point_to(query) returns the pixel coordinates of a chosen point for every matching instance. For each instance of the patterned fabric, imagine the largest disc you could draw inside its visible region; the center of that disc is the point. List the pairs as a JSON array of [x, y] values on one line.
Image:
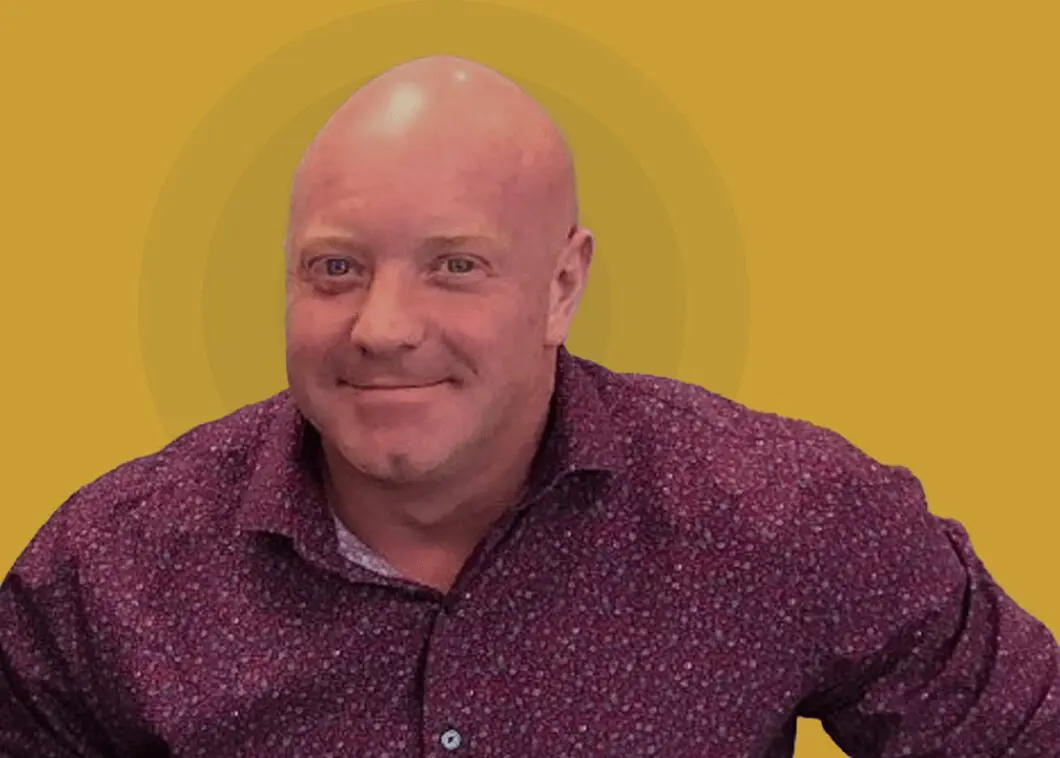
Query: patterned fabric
[[354, 550], [684, 578]]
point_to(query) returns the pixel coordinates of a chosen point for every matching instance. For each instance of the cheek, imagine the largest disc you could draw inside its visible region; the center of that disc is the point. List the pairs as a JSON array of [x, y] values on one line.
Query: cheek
[[503, 335], [312, 327]]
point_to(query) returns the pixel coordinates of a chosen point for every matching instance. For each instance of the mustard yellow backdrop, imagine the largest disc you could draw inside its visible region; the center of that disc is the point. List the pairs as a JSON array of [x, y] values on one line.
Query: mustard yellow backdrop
[[834, 211]]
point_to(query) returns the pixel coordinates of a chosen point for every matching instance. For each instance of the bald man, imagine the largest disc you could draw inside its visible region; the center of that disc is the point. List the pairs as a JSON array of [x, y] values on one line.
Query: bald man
[[450, 536], [434, 264]]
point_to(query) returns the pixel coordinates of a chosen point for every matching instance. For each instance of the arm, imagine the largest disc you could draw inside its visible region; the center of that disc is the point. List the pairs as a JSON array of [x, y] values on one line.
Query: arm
[[926, 655], [45, 675]]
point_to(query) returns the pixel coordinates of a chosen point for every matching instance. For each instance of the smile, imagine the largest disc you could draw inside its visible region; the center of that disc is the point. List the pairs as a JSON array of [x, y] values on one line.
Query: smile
[[392, 387]]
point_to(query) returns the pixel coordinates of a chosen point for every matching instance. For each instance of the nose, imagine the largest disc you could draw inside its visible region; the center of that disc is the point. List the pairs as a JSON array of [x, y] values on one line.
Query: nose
[[387, 322]]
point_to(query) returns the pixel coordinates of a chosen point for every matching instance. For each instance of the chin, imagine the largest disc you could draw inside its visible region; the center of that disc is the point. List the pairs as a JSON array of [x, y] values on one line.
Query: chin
[[397, 467]]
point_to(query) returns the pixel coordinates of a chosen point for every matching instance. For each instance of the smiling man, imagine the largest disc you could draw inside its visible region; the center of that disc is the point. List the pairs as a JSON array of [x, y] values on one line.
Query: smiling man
[[434, 266], [450, 536]]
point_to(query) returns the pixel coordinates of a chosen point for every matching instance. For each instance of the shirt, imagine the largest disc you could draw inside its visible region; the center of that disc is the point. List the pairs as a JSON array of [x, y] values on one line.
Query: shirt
[[686, 577], [353, 549]]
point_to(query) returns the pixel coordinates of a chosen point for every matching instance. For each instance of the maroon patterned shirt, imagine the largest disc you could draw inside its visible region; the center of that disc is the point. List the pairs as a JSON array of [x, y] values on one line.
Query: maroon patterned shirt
[[684, 580]]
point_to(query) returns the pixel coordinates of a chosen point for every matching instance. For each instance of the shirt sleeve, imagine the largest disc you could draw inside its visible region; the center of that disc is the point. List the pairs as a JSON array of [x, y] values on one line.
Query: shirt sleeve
[[45, 694], [925, 654]]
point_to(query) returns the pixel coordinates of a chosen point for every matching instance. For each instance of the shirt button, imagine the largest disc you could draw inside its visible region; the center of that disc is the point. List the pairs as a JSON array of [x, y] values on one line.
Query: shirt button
[[451, 739]]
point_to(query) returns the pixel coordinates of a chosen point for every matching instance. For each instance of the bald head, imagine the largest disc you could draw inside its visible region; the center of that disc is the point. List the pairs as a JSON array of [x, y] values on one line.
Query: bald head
[[454, 117]]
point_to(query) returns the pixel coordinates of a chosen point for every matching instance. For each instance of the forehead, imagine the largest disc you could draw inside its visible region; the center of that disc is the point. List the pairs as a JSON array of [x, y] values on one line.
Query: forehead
[[412, 193]]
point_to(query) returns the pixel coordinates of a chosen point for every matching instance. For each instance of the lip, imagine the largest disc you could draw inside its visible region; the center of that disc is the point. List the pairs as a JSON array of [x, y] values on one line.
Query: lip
[[385, 388]]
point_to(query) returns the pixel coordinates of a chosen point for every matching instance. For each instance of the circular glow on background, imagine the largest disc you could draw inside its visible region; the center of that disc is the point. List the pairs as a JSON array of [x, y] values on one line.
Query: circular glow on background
[[668, 293]]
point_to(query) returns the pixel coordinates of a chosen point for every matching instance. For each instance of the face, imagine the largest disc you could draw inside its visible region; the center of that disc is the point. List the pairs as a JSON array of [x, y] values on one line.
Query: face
[[423, 315]]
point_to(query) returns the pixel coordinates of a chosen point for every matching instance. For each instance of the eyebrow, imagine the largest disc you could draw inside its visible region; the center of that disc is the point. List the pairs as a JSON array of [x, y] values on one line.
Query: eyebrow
[[440, 241], [431, 243], [338, 241]]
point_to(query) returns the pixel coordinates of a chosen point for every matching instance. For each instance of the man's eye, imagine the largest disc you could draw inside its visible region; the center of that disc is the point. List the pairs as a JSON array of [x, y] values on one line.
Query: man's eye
[[459, 265], [337, 266]]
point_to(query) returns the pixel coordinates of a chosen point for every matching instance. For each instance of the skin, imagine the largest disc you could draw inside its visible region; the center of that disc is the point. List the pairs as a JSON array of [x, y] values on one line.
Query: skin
[[434, 265]]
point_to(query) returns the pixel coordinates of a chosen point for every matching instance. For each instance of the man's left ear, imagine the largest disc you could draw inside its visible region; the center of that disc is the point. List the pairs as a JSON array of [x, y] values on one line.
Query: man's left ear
[[568, 284]]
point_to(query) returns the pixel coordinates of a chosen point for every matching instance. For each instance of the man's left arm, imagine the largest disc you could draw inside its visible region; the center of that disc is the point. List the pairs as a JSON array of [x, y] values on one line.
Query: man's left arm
[[925, 654]]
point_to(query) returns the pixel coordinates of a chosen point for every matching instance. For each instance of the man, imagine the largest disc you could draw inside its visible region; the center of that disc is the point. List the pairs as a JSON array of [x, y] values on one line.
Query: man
[[450, 536]]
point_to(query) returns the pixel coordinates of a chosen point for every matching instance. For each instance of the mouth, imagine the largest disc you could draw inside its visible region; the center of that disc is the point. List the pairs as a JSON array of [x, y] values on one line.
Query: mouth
[[391, 387]]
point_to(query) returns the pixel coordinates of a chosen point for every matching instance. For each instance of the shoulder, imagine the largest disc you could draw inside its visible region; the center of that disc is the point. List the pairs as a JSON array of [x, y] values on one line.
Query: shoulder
[[183, 487], [796, 500], [740, 445], [704, 448]]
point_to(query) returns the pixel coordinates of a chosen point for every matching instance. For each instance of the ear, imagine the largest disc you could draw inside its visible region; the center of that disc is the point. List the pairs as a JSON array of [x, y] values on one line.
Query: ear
[[568, 284]]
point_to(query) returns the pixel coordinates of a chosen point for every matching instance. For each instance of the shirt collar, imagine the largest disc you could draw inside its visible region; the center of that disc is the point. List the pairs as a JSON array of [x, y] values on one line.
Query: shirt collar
[[285, 494], [582, 433]]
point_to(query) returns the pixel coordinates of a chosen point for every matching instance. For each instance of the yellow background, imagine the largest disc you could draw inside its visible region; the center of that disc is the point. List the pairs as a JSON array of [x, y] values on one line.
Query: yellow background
[[878, 187]]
